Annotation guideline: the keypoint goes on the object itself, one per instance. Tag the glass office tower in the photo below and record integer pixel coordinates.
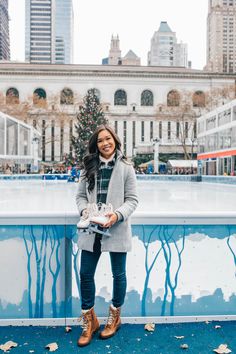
(4, 31)
(64, 32)
(49, 31)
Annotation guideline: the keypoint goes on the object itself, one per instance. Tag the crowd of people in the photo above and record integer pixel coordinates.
(73, 171)
(169, 171)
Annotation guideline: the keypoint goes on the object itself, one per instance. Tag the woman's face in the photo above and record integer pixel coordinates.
(106, 144)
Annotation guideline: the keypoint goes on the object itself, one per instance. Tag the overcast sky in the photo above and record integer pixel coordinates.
(135, 21)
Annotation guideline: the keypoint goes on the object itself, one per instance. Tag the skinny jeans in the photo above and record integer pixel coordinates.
(88, 265)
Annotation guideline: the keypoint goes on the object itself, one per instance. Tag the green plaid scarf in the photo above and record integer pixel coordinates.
(103, 179)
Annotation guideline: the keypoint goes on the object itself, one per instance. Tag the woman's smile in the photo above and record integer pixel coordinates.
(106, 144)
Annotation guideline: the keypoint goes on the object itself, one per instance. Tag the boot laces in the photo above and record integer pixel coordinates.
(84, 324)
(111, 318)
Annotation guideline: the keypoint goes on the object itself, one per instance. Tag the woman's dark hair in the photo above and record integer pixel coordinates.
(91, 159)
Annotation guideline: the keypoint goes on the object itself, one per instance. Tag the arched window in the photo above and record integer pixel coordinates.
(147, 98)
(67, 96)
(173, 98)
(12, 96)
(120, 98)
(39, 97)
(199, 99)
(95, 92)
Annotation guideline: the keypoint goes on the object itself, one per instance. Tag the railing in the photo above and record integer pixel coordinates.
(172, 275)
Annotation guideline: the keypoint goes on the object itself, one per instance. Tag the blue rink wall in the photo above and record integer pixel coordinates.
(173, 270)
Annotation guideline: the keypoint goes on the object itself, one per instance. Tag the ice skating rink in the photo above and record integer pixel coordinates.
(155, 198)
(182, 262)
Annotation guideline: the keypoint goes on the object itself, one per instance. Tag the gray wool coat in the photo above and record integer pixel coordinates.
(122, 195)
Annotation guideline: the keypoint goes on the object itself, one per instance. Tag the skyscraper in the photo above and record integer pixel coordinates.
(4, 31)
(39, 43)
(221, 36)
(64, 32)
(49, 31)
(165, 51)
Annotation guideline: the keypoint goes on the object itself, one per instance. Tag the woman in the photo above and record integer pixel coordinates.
(107, 178)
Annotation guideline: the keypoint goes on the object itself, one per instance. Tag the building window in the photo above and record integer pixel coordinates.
(67, 96)
(142, 131)
(147, 98)
(12, 96)
(151, 130)
(211, 122)
(116, 127)
(53, 141)
(71, 137)
(12, 134)
(43, 139)
(61, 140)
(177, 129)
(120, 98)
(125, 137)
(134, 134)
(195, 130)
(39, 97)
(160, 130)
(198, 99)
(186, 129)
(224, 117)
(169, 130)
(173, 98)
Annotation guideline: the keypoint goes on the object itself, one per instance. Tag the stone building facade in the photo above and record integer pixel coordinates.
(142, 103)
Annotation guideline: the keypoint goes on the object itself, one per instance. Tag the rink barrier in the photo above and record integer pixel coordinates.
(143, 177)
(182, 268)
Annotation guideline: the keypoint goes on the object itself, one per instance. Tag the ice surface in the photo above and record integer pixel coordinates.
(58, 197)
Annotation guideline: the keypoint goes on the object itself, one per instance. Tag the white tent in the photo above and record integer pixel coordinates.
(182, 163)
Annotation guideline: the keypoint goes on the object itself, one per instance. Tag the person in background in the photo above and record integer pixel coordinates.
(107, 177)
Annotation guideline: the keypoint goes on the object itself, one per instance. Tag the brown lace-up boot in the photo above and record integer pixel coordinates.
(90, 325)
(113, 323)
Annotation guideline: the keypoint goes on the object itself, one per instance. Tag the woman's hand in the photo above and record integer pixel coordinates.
(112, 219)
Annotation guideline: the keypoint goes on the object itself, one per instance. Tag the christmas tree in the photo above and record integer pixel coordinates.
(89, 117)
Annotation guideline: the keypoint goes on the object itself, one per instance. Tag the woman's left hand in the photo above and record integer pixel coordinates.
(112, 220)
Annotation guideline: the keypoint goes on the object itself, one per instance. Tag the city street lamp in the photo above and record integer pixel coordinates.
(156, 142)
